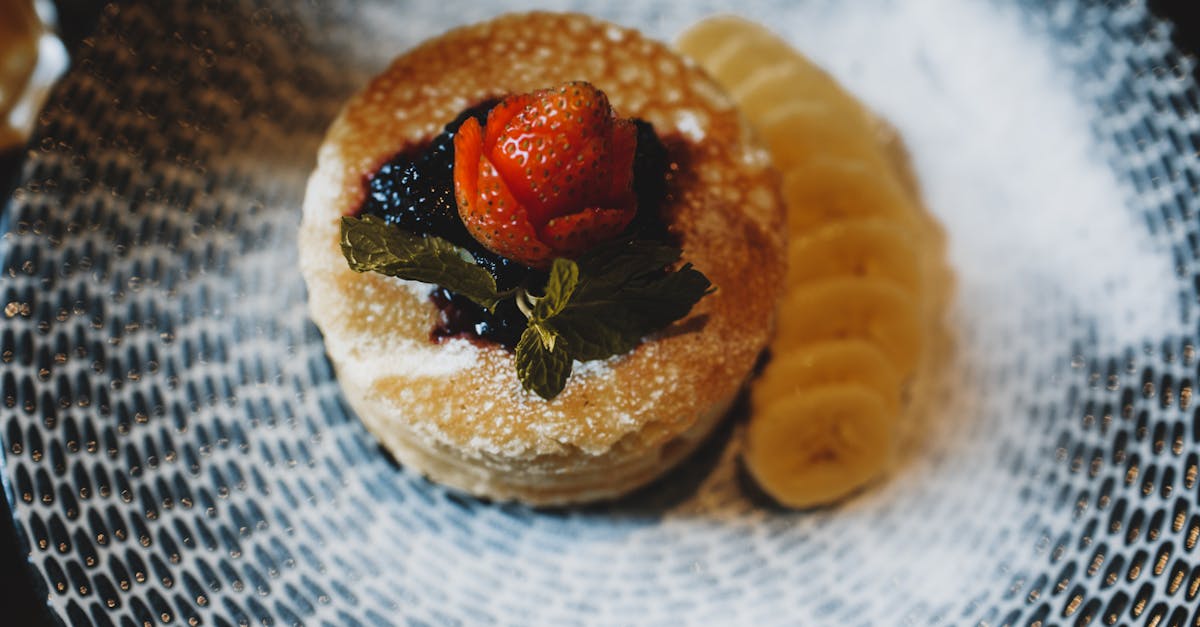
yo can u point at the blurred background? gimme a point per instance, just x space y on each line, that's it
37 39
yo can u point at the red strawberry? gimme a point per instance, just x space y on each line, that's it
486 205
551 175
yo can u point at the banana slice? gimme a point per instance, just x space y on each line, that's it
741 55
867 277
830 190
828 146
818 445
891 145
727 47
870 247
707 36
868 308
799 131
782 87
798 108
874 247
829 363
940 279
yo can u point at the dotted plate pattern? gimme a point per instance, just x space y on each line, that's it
177 451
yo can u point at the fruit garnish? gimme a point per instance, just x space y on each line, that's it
551 174
867 280
826 363
415 191
599 305
544 182
867 308
817 445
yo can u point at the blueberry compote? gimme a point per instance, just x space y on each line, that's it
415 191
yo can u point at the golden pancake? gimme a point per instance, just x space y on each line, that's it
454 410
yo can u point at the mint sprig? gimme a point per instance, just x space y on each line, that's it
595 307
372 245
625 293
543 361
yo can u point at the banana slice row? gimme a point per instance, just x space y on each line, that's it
867 279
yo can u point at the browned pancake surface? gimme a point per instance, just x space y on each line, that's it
463 399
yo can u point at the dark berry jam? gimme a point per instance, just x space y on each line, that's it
458 316
650 164
415 191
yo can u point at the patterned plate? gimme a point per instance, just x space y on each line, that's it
176 449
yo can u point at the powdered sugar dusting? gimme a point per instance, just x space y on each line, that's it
416 288
408 359
617 414
689 124
595 368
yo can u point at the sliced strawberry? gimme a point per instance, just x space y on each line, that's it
555 150
621 156
550 175
468 146
500 114
573 234
487 208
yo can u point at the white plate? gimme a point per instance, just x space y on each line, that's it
176 448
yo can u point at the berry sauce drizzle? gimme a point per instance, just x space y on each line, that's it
414 191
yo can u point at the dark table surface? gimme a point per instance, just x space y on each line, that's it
21 602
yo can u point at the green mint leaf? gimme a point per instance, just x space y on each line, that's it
616 262
371 245
564 278
624 294
657 301
593 337
543 362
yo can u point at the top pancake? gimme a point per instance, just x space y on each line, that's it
722 203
